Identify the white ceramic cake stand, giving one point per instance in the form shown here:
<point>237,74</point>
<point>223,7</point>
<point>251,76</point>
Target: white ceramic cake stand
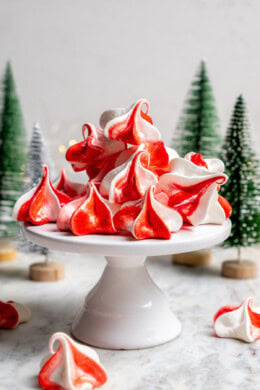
<point>126,310</point>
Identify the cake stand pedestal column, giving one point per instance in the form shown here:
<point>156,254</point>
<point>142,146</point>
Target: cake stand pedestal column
<point>125,310</point>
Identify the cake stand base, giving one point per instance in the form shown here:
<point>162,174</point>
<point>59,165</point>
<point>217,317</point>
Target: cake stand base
<point>125,310</point>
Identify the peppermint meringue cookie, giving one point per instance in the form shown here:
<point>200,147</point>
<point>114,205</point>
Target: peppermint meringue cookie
<point>131,125</point>
<point>147,218</point>
<point>72,366</point>
<point>186,174</point>
<point>65,214</point>
<point>41,204</point>
<point>159,156</point>
<point>193,189</point>
<point>13,314</point>
<point>238,322</point>
<point>198,207</point>
<point>128,181</point>
<point>89,214</point>
<point>72,189</point>
<point>97,173</point>
<point>93,151</point>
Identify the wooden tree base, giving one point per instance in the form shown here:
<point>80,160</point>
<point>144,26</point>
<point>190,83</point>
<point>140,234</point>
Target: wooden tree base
<point>46,272</point>
<point>193,259</point>
<point>7,252</point>
<point>244,269</point>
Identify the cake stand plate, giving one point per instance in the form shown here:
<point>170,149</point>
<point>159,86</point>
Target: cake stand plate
<point>126,310</point>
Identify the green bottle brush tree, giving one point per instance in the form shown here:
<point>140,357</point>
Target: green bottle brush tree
<point>13,148</point>
<point>198,129</point>
<point>242,190</point>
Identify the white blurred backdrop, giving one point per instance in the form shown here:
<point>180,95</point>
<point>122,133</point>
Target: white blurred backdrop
<point>72,59</point>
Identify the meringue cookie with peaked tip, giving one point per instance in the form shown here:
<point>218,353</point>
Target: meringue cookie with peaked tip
<point>147,218</point>
<point>186,174</point>
<point>93,216</point>
<point>132,126</point>
<point>88,214</point>
<point>160,156</point>
<point>193,189</point>
<point>65,214</point>
<point>13,314</point>
<point>198,207</point>
<point>41,204</point>
<point>97,173</point>
<point>128,181</point>
<point>72,366</point>
<point>93,150</point>
<point>238,322</point>
<point>68,187</point>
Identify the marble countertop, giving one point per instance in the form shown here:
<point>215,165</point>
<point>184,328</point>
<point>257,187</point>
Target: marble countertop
<point>195,360</point>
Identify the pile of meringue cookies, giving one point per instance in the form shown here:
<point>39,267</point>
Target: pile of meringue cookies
<point>136,185</point>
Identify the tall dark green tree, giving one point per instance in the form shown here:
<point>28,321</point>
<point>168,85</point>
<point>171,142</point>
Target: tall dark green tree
<point>12,153</point>
<point>198,129</point>
<point>242,189</point>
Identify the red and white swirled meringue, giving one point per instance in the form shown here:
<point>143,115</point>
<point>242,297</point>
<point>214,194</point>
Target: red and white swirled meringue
<point>13,314</point>
<point>147,218</point>
<point>193,189</point>
<point>72,366</point>
<point>186,173</point>
<point>70,188</point>
<point>128,181</point>
<point>159,156</point>
<point>131,125</point>
<point>198,207</point>
<point>89,214</point>
<point>65,214</point>
<point>238,322</point>
<point>41,204</point>
<point>91,153</point>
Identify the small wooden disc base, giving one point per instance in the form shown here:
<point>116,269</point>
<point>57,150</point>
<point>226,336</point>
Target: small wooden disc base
<point>244,269</point>
<point>193,259</point>
<point>46,272</point>
<point>7,253</point>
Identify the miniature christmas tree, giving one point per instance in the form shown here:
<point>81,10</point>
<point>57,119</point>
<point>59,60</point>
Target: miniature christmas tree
<point>12,154</point>
<point>37,156</point>
<point>243,186</point>
<point>198,129</point>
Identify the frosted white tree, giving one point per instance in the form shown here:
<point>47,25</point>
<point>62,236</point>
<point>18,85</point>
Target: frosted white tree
<point>37,156</point>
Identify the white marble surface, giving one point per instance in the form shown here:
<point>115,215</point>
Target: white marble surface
<point>196,360</point>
